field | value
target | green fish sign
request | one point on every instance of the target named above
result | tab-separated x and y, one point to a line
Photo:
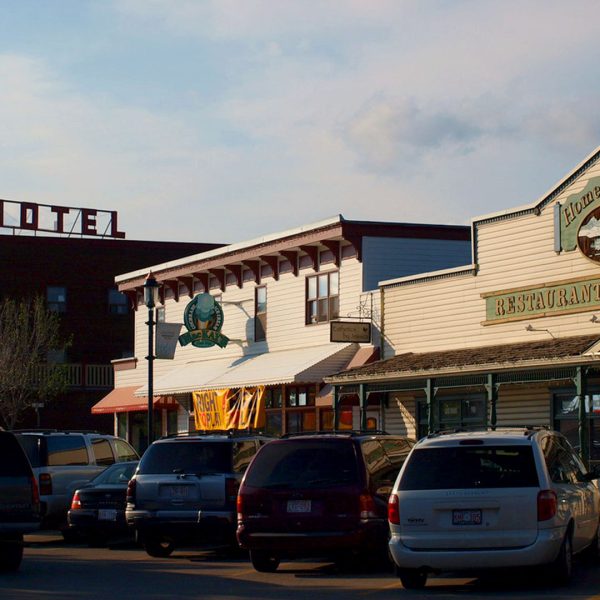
203	318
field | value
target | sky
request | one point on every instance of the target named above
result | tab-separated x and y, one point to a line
225	120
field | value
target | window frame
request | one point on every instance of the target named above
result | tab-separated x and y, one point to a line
331	301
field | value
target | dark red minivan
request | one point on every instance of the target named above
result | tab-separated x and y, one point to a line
319	495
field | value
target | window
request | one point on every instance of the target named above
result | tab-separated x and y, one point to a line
66	450
273	397
300	396
453	412
322	297
117	302
124	450
102	452
56	298
160	314
260	314
566	420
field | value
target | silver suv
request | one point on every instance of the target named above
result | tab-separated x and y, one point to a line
185	489
63	461
491	499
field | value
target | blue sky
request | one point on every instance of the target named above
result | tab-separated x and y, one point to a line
226	120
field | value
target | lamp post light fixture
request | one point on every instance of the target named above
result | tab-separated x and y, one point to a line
150	300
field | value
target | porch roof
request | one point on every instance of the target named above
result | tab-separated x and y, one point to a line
552	353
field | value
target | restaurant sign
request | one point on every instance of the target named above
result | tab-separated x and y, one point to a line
203	318
580	220
565	297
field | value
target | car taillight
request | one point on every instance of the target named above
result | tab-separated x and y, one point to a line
393	510
131	491
368	510
76	502
231	489
35	492
239	504
547	504
45	484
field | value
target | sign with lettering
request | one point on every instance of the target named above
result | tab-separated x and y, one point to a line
29	216
550	299
226	409
576	221
350	331
203	318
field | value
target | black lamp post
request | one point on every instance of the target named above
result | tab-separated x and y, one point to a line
150	299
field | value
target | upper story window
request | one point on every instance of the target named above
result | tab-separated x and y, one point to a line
117	302
322	297
56	298
260	314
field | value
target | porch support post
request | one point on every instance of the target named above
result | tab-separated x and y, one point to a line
580	386
336	408
430	394
362	401
492	398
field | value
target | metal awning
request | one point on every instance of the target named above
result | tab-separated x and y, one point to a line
124	400
299	365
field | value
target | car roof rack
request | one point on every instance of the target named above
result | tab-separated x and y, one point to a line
527	430
348	432
67	431
220	432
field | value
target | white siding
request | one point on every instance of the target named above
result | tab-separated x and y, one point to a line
286	328
512	253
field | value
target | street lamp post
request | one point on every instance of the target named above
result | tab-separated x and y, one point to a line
150	299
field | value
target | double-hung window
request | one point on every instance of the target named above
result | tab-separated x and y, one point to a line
322	297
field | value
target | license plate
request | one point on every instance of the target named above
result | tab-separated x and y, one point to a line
107	514
178	491
466	517
298	506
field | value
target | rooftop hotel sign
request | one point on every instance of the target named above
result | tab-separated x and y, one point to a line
577	295
29	216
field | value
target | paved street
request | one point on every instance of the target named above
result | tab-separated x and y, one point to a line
53	569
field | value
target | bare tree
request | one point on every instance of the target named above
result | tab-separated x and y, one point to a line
28	331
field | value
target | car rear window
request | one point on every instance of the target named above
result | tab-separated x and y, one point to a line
304	464
470	467
187	457
32	446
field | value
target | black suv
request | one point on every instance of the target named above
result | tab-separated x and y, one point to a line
184	490
19	501
320	495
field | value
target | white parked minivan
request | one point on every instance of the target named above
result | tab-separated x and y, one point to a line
476	501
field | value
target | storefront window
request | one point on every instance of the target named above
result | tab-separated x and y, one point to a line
122	425
452	413
273	397
566	420
273	425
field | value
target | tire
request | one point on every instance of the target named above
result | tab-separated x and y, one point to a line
412	579
561	569
263	561
11	554
158	548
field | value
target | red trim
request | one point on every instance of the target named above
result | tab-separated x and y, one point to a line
221	276
293	257
237	272
254	266
335	247
273	262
